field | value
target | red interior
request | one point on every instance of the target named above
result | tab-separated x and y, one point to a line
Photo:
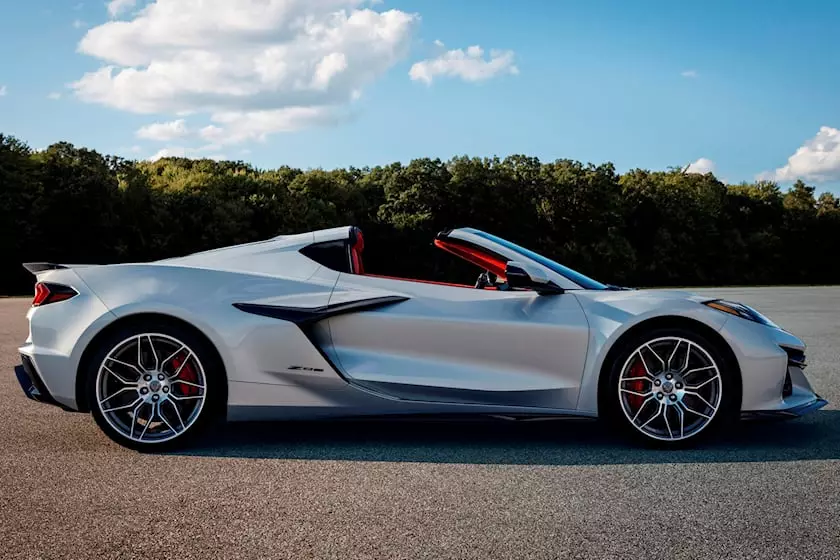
477	257
421	281
473	255
356	248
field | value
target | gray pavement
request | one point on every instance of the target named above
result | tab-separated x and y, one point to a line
429	490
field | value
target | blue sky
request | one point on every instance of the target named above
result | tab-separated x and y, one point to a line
743	85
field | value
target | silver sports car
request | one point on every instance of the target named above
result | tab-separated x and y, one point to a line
293	327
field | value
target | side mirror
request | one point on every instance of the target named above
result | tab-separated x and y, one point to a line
524	275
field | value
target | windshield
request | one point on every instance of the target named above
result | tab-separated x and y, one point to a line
576	277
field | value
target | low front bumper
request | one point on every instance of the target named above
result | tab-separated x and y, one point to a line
32	384
792	412
794	396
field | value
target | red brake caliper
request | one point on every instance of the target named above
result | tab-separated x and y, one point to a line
637	370
187	374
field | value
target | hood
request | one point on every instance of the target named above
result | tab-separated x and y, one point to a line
632	294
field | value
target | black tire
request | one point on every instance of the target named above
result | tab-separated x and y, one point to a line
215	383
613	407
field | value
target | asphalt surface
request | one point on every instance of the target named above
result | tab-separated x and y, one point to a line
429	490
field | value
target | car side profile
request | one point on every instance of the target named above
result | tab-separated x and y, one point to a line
295	328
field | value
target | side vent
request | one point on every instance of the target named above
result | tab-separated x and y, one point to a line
787	388
796	358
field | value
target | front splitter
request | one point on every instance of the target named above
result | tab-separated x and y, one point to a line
793	412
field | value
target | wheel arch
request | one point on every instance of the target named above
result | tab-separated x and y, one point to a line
137	318
667	321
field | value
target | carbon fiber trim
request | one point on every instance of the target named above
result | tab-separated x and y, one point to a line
32	384
36	267
793	412
304	317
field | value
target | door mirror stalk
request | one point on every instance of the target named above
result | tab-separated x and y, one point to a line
530	277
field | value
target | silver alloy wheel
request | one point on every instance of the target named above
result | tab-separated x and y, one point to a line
670	388
151	388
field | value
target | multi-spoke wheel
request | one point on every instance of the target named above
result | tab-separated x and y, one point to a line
671	385
153	384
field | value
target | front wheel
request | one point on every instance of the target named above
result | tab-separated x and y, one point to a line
670	387
154	385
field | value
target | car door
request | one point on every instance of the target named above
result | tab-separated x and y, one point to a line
458	344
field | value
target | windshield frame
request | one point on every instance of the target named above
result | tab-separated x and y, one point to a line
574	276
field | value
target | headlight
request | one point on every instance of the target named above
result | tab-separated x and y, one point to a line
741	310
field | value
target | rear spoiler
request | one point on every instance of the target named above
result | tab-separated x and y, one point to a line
36	267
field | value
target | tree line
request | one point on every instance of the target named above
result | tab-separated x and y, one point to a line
641	228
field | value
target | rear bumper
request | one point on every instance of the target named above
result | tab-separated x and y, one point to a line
32	384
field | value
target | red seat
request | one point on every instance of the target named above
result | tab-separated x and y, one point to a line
356	248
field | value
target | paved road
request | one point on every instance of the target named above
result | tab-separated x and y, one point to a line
362	490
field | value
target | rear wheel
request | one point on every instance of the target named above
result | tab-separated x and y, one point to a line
155	385
671	387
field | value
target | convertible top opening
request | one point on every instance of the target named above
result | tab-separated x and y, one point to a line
343	252
473	254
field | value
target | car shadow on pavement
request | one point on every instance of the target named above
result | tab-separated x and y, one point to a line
548	442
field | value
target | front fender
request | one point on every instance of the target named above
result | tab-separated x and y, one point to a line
610	318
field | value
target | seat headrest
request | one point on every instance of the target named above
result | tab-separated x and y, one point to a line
357	241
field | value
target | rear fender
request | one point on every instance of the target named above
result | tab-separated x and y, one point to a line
250	346
59	332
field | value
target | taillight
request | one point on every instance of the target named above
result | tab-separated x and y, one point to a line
46	292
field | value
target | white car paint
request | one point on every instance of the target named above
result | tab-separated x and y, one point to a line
443	349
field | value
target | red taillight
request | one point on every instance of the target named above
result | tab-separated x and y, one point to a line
50	293
41	294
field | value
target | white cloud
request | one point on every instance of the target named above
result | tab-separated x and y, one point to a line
54	96
116	7
78	24
689	73
293	61
817	160
329	67
164	132
212	133
241	126
182	152
469	65
701	166
168	152
3	91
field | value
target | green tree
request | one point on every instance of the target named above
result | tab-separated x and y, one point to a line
19	189
652	228
76	208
